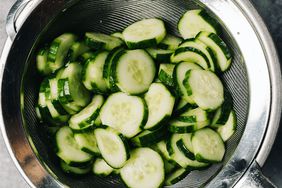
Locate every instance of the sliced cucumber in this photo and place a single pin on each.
(166, 74)
(222, 114)
(194, 21)
(124, 113)
(134, 71)
(145, 168)
(75, 170)
(118, 35)
(147, 138)
(59, 49)
(160, 55)
(72, 94)
(180, 158)
(170, 42)
(179, 76)
(198, 117)
(181, 107)
(219, 48)
(229, 128)
(77, 49)
(205, 88)
(68, 149)
(176, 176)
(48, 112)
(208, 146)
(162, 149)
(86, 118)
(101, 168)
(145, 33)
(197, 44)
(92, 74)
(42, 62)
(98, 41)
(54, 92)
(83, 58)
(176, 126)
(160, 104)
(87, 142)
(184, 144)
(113, 146)
(112, 57)
(193, 55)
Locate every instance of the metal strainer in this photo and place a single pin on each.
(254, 81)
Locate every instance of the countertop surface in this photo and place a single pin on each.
(270, 10)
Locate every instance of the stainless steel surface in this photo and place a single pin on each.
(254, 55)
(255, 179)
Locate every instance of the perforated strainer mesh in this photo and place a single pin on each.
(108, 16)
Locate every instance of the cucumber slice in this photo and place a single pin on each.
(68, 149)
(98, 41)
(75, 170)
(208, 146)
(229, 128)
(47, 110)
(134, 71)
(101, 168)
(198, 117)
(113, 56)
(194, 21)
(197, 44)
(160, 55)
(145, 168)
(222, 114)
(179, 76)
(218, 47)
(180, 158)
(118, 35)
(205, 88)
(54, 92)
(86, 118)
(184, 144)
(181, 107)
(176, 126)
(59, 49)
(160, 104)
(147, 138)
(72, 94)
(124, 113)
(92, 74)
(145, 33)
(176, 176)
(87, 142)
(170, 42)
(42, 62)
(77, 49)
(193, 55)
(83, 58)
(113, 146)
(166, 77)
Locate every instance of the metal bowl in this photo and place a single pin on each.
(254, 81)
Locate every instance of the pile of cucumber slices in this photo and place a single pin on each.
(141, 104)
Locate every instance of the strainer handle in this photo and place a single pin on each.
(254, 178)
(17, 15)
